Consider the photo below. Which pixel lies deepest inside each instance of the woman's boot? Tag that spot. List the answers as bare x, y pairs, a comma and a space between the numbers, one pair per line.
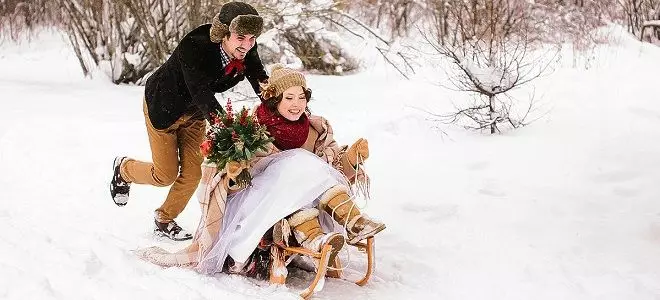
307, 230
337, 203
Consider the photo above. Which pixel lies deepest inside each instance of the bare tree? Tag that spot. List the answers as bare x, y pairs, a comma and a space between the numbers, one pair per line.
298, 33
546, 21
652, 35
395, 17
636, 12
310, 32
488, 77
492, 53
128, 39
23, 17
397, 55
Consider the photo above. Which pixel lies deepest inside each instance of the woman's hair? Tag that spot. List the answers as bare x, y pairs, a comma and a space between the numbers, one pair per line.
272, 102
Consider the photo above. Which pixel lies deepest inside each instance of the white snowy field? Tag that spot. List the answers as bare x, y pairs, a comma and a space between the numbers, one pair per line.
565, 208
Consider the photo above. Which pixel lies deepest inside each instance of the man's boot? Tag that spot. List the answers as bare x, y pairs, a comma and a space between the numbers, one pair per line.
307, 230
172, 230
337, 203
119, 188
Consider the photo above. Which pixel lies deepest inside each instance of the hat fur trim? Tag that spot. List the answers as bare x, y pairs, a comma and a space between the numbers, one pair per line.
242, 24
331, 193
218, 30
303, 216
247, 24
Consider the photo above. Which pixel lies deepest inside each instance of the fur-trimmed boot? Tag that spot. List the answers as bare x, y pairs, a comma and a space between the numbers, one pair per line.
337, 203
307, 230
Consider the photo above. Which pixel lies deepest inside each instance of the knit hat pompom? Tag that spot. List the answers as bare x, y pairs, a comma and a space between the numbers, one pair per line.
282, 78
276, 67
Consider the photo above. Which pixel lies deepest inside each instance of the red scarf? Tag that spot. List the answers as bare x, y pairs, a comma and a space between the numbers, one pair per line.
235, 64
287, 134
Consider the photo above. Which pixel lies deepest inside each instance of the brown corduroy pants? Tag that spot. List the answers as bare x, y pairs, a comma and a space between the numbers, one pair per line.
172, 148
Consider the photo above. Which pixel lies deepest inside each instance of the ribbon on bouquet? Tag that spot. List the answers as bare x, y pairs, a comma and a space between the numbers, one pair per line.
237, 171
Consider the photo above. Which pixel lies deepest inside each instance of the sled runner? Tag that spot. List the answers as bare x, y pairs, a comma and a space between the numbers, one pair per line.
281, 255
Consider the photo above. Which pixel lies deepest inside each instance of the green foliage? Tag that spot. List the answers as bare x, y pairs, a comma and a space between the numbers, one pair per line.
235, 137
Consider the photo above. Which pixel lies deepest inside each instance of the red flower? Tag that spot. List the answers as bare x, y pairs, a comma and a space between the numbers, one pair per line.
230, 112
229, 121
234, 136
244, 115
205, 147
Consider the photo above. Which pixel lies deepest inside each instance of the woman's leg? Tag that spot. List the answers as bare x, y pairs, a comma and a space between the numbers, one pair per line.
338, 204
307, 231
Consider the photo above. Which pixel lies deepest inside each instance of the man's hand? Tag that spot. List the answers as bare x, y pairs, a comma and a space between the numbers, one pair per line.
230, 80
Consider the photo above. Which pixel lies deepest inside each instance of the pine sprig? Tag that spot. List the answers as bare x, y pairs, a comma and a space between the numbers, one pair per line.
235, 137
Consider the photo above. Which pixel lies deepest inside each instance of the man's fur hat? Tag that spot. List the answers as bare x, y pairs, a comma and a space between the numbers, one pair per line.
236, 17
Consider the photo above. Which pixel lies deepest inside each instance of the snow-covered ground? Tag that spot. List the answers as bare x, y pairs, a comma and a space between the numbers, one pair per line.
566, 208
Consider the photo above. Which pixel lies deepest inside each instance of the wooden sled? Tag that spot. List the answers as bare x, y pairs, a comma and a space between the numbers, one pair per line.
281, 253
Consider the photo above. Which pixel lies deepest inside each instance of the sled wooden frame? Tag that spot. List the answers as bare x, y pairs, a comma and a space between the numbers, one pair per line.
280, 253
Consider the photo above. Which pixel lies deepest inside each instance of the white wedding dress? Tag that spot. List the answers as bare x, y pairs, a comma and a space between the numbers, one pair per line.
282, 184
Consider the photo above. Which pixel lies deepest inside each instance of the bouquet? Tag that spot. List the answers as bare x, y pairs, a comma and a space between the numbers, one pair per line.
235, 138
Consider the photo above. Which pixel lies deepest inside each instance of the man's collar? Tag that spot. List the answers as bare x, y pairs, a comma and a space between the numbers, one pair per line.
225, 56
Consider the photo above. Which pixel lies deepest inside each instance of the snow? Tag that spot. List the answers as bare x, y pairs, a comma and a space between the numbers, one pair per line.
489, 78
566, 208
652, 23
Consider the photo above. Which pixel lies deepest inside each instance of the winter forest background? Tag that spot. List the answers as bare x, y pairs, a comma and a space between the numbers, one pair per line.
492, 46
129, 39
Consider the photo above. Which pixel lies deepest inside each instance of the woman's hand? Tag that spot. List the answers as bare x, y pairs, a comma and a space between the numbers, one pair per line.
233, 169
361, 148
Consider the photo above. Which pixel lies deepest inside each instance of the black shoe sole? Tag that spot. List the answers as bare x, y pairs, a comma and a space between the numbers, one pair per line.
159, 233
376, 230
113, 175
113, 199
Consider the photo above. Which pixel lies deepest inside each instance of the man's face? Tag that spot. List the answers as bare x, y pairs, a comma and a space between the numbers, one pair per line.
237, 45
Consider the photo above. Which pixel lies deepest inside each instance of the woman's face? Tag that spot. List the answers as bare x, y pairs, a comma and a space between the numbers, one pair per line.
293, 103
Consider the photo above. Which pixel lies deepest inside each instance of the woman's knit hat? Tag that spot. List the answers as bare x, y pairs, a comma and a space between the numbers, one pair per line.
280, 80
237, 17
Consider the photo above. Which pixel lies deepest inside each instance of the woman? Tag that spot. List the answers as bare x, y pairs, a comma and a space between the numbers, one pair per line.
303, 177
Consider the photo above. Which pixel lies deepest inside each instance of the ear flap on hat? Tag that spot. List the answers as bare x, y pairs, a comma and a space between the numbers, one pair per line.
218, 30
247, 24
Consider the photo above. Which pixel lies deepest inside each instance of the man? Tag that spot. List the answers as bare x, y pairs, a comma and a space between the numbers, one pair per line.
178, 97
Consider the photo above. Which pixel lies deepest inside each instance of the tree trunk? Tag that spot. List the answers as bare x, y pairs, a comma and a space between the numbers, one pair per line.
491, 113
